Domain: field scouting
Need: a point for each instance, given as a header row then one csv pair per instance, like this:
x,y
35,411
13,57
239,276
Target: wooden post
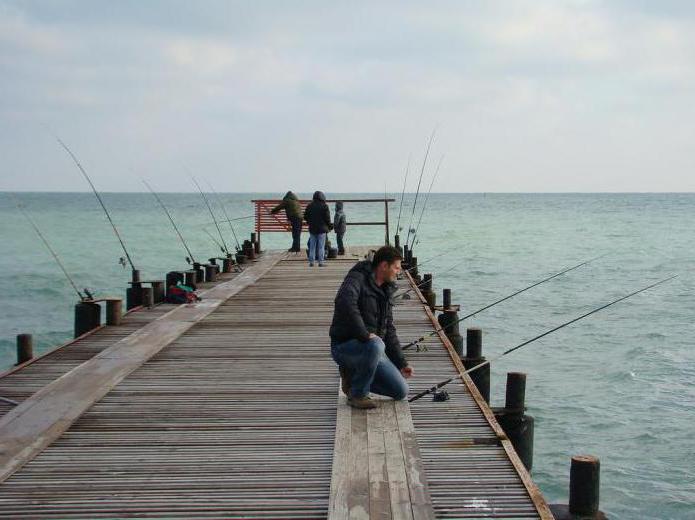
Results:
x,y
584,491
474,356
210,272
446,298
114,311
199,272
427,291
157,290
25,348
227,265
87,317
148,297
518,426
189,279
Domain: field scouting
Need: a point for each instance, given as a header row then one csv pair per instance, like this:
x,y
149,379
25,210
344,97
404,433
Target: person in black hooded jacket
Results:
x,y
364,342
318,216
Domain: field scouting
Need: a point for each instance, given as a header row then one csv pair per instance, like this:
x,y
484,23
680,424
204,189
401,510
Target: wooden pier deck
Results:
x,y
231,409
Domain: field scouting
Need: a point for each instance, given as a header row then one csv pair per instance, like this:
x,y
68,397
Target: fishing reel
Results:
x,y
122,262
420,348
440,396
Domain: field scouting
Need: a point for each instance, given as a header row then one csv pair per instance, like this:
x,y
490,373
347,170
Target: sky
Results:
x,y
262,96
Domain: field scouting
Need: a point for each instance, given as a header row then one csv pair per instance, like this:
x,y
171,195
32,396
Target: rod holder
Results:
x,y
25,348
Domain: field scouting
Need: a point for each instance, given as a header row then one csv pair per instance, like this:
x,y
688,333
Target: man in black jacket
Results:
x,y
363,339
318,216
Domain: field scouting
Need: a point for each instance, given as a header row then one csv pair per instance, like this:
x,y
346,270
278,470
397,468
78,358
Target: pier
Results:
x,y
231,408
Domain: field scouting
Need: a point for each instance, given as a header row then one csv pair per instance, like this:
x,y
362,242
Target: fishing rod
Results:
x,y
417,192
400,208
422,338
48,246
219,201
424,205
510,350
205,199
400,295
189,258
103,206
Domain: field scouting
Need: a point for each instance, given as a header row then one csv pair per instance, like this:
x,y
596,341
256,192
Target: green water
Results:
x,y
617,385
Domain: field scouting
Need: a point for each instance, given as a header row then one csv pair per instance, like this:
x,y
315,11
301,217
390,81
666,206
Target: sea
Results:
x,y
617,385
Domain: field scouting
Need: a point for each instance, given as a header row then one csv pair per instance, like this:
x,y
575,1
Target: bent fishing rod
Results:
x,y
517,347
417,192
205,199
103,206
422,338
233,219
424,204
400,208
219,201
189,258
50,249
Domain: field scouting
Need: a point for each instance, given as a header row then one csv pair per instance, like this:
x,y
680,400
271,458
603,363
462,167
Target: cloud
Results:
x,y
342,93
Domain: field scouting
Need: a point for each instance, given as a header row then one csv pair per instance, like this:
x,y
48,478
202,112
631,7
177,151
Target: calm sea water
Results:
x,y
618,385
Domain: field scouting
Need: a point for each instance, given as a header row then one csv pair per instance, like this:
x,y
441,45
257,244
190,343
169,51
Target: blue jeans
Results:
x,y
371,369
317,242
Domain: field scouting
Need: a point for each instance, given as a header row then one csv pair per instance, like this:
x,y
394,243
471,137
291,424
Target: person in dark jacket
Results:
x,y
318,216
339,226
364,342
293,212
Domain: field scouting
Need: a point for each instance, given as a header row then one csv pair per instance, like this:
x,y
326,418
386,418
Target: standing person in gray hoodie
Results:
x,y
339,226
318,216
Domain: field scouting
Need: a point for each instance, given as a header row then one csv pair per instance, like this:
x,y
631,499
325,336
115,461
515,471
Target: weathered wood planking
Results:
x,y
237,418
42,418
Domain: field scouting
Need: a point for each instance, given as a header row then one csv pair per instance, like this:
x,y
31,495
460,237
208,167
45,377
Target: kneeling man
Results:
x,y
363,339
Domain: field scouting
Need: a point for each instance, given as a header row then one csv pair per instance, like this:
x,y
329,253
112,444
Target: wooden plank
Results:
x,y
338,503
35,423
379,493
358,478
401,508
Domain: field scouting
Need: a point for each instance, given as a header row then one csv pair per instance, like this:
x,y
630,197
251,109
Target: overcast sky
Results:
x,y
267,96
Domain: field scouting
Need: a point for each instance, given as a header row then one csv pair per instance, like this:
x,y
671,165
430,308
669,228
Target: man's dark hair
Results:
x,y
387,254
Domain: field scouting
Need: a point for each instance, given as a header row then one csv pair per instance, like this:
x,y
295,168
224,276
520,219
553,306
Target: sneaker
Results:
x,y
345,377
311,265
362,403
322,265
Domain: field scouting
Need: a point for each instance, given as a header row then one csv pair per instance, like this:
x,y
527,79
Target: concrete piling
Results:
x,y
518,426
25,348
473,357
87,317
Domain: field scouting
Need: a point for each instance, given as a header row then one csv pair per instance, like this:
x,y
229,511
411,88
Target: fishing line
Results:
x,y
219,201
48,246
510,350
205,199
424,204
417,192
190,257
400,208
422,338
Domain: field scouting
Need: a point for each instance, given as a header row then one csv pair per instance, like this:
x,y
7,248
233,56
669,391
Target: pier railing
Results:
x,y
269,223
